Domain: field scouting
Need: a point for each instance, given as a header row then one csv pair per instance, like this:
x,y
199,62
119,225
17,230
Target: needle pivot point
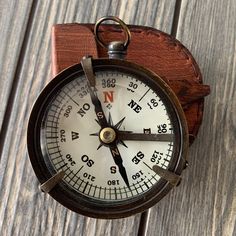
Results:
x,y
107,135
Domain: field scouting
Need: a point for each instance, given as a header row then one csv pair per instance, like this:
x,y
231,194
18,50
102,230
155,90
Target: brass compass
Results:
x,y
107,138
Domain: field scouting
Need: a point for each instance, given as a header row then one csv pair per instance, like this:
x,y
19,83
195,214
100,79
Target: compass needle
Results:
x,y
119,162
118,125
99,146
125,135
88,70
122,143
110,119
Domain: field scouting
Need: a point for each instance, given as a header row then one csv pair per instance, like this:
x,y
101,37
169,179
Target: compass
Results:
x,y
107,138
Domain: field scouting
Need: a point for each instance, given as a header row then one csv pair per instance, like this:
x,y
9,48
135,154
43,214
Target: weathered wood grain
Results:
x,y
23,209
14,17
205,202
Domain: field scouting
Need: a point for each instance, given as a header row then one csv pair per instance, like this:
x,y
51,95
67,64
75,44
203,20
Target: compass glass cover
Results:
x,y
71,138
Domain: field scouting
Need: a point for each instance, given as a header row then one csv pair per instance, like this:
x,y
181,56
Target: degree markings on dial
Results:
x,y
48,130
57,165
110,193
54,147
72,99
140,186
90,187
116,192
147,165
120,192
167,160
68,174
104,193
169,150
55,105
154,177
51,142
57,99
78,84
99,193
75,182
95,187
75,175
54,158
151,181
51,132
135,189
68,86
62,166
60,161
86,185
82,181
51,137
53,122
55,152
62,98
53,116
144,95
163,165
51,110
52,127
126,192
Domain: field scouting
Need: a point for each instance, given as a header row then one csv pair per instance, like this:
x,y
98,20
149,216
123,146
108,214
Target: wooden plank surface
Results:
x,y
14,18
24,210
205,202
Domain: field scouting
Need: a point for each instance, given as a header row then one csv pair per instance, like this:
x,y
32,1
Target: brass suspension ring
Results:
x,y
120,22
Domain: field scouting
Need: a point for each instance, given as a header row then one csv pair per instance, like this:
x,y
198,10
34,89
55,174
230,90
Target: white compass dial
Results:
x,y
76,143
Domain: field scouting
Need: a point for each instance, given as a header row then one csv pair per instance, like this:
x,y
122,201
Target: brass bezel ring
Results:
x,y
120,22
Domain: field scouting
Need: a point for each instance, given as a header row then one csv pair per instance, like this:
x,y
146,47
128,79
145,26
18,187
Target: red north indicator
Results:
x,y
108,96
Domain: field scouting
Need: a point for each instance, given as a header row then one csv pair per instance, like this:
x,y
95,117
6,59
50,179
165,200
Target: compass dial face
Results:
x,y
72,140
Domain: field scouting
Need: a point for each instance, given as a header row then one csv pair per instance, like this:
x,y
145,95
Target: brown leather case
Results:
x,y
150,48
